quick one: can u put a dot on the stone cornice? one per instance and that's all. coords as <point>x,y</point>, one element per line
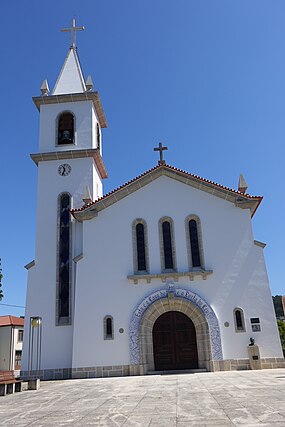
<point>175,275</point>
<point>74,97</point>
<point>73,154</point>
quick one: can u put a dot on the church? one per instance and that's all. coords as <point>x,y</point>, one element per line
<point>161,274</point>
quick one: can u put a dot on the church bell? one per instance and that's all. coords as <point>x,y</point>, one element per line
<point>66,137</point>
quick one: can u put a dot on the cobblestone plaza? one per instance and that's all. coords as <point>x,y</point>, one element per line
<point>249,398</point>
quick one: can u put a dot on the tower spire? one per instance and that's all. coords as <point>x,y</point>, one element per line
<point>70,79</point>
<point>72,31</point>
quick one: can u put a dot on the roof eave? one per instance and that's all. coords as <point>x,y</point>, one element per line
<point>242,201</point>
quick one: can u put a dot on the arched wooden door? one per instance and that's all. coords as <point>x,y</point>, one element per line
<point>174,342</point>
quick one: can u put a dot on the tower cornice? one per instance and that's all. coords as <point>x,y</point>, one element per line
<point>73,154</point>
<point>74,97</point>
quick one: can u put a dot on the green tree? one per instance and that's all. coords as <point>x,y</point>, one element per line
<point>1,276</point>
<point>281,328</point>
<point>278,306</point>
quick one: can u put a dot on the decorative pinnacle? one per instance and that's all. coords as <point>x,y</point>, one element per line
<point>89,84</point>
<point>45,88</point>
<point>72,31</point>
<point>160,148</point>
<point>242,185</point>
<point>87,195</point>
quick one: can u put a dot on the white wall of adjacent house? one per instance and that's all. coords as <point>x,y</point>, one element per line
<point>5,348</point>
<point>18,347</point>
<point>239,276</point>
<point>10,347</point>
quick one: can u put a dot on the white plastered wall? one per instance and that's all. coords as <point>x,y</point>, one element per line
<point>85,126</point>
<point>239,276</point>
<point>41,290</point>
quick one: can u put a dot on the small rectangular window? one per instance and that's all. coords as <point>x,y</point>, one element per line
<point>20,335</point>
<point>18,359</point>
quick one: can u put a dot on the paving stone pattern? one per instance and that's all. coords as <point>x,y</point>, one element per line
<point>248,398</point>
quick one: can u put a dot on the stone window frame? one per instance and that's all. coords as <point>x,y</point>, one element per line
<point>134,238</point>
<point>63,321</point>
<point>200,241</point>
<point>74,129</point>
<point>106,336</point>
<point>236,309</point>
<point>162,259</point>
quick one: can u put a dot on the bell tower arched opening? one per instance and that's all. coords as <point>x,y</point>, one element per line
<point>65,128</point>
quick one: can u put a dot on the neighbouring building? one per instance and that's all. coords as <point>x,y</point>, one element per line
<point>162,273</point>
<point>11,342</point>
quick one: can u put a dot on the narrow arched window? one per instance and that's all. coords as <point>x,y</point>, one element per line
<point>167,244</point>
<point>141,258</point>
<point>65,130</point>
<point>140,247</point>
<point>98,137</point>
<point>194,242</point>
<point>108,328</point>
<point>239,320</point>
<point>63,262</point>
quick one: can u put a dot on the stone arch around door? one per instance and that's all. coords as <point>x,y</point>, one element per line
<point>173,298</point>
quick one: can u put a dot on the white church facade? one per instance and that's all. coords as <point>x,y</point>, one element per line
<point>161,274</point>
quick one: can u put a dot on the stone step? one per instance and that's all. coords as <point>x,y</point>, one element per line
<point>177,372</point>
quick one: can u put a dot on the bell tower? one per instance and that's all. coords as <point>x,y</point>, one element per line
<point>71,122</point>
<point>70,173</point>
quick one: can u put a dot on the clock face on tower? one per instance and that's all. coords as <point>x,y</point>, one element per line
<point>64,169</point>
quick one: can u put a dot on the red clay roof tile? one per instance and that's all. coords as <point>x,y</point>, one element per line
<point>11,320</point>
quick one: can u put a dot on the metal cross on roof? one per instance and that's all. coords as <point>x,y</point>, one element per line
<point>72,31</point>
<point>160,148</point>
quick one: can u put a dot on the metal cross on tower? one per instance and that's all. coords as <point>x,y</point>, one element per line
<point>160,148</point>
<point>72,31</point>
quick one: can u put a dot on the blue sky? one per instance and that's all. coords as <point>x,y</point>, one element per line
<point>204,77</point>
